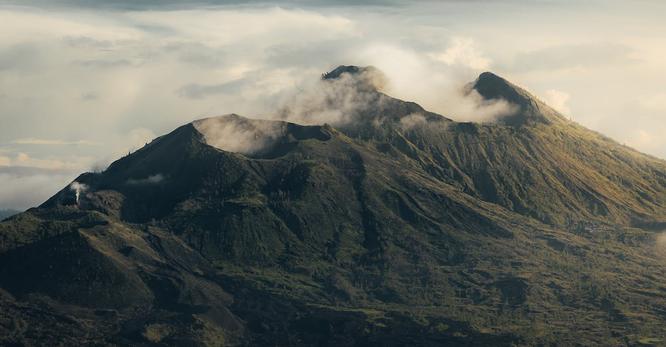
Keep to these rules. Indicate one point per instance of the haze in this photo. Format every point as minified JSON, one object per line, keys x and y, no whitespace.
{"x":83,"y":82}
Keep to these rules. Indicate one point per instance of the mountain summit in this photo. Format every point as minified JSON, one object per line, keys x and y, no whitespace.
{"x":347,"y":69}
{"x":392,"y":226}
{"x":529,"y":109}
{"x":364,"y":78}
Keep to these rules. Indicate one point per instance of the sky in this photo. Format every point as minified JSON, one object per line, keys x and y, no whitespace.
{"x":83,"y":82}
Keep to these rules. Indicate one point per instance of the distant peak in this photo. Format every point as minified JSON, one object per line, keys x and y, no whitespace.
{"x":348,"y":69}
{"x":491,"y":86}
{"x":367,"y":77}
{"x":530,"y":109}
{"x":487,"y":75}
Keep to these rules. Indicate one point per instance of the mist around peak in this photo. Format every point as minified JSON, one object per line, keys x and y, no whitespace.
{"x":357,"y":100}
{"x":348,"y":95}
{"x":254,"y":137}
{"x":233,"y":133}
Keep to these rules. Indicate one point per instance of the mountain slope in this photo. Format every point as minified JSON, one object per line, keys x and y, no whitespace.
{"x":391,"y":226}
{"x":7,"y":213}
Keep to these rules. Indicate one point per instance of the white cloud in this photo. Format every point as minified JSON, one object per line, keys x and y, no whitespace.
{"x":121,"y":145}
{"x":411,"y":121}
{"x":640,"y":138}
{"x":558,"y":100}
{"x":60,"y":164}
{"x":238,"y":134}
{"x":652,"y":139}
{"x":655,"y":102}
{"x":51,"y":142}
{"x":464,"y":52}
{"x":139,"y":137}
{"x":22,"y":192}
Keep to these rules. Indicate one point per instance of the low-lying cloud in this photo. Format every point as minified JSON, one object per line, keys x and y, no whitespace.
{"x":342,"y":100}
{"x":150,"y":180}
{"x":21,"y":192}
{"x":348,"y":96}
{"x":412,"y":121}
{"x":337,"y":100}
{"x":235,"y":134}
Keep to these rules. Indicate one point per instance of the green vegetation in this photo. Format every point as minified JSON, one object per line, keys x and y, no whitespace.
{"x":532,"y":231}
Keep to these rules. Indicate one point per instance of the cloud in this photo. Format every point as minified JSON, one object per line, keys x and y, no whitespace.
{"x":655,"y":102}
{"x":464,"y":52}
{"x":574,"y":56}
{"x":71,"y":70}
{"x":89,"y":96}
{"x":123,"y":144}
{"x":640,"y":138}
{"x":558,"y":100}
{"x":411,"y":121}
{"x":25,"y":171}
{"x":234,"y":134}
{"x":338,"y":98}
{"x":198,"y":91}
{"x":23,"y":165}
{"x":150,"y":5}
{"x":51,"y":142}
{"x":87,"y":42}
{"x":21,"y":57}
{"x":22,"y":192}
{"x":470,"y":106}
{"x":72,"y":165}
{"x":195,"y":53}
{"x":302,"y":53}
{"x":138,"y":137}
{"x":104,"y":64}
{"x":150,"y":180}
{"x":652,"y":139}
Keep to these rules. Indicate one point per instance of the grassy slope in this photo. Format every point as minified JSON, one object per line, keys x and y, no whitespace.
{"x":448,"y":233}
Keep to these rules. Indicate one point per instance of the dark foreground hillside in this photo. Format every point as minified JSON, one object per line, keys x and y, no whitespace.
{"x":394,"y":226}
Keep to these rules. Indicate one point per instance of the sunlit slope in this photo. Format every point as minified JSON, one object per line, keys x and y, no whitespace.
{"x":377,"y":231}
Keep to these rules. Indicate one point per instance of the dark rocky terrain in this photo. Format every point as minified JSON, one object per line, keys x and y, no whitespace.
{"x":395,"y":227}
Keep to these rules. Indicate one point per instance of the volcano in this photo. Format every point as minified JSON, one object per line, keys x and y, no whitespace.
{"x":394,"y":226}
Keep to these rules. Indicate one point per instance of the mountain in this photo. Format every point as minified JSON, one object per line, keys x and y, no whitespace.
{"x":389,"y":225}
{"x":7,"y":213}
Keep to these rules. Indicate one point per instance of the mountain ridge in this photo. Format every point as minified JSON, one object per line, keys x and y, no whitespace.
{"x":396,"y":226}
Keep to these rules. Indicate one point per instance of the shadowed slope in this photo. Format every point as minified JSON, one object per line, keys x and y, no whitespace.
{"x":398,"y":227}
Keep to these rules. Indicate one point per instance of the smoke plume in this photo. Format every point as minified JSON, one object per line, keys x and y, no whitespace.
{"x":78,"y":188}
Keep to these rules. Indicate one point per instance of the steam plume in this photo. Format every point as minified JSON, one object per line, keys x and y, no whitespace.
{"x":78,"y":188}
